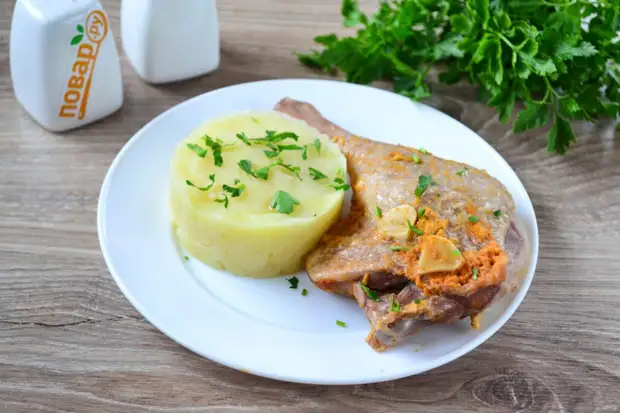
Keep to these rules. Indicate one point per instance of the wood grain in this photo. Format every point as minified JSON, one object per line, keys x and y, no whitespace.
{"x":70,"y":342}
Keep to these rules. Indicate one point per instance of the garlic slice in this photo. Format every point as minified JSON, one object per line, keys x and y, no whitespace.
{"x":438,"y":254}
{"x":394,"y":222}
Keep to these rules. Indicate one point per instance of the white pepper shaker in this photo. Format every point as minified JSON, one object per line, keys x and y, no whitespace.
{"x":167,"y":41}
{"x":64,"y":64}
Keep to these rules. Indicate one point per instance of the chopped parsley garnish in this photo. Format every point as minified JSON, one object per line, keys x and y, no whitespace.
{"x":456,"y":252}
{"x":317,"y":145}
{"x":243,"y":137}
{"x":261,"y":173}
{"x":289,"y":148}
{"x":370,"y":293}
{"x":378,"y":212}
{"x":186,"y":257}
{"x":416,"y":159}
{"x":414,"y":229}
{"x":304,"y":153}
{"x":473,"y":219}
{"x":397,"y":248}
{"x":395,"y":306}
{"x":246,"y":166}
{"x":293,"y":281}
{"x":199,"y":150}
{"x":339,"y":185}
{"x":417,"y":301}
{"x":474,"y":273}
{"x":216,"y":147}
{"x":291,"y":168}
{"x":421,"y":212}
{"x":202,"y":188}
{"x":270,"y":139}
{"x":341,"y":323}
{"x":497,"y":213}
{"x":283,"y":202}
{"x":274,"y":137}
{"x":222,"y":199}
{"x":234,"y":192}
{"x":422,"y":150}
{"x":462,"y":172}
{"x":304,"y":292}
{"x":316,"y":174}
{"x":423,"y":182}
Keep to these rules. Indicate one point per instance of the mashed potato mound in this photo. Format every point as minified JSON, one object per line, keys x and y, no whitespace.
{"x":226,"y":217}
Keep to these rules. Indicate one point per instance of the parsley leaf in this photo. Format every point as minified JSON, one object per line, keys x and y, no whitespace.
{"x":462,"y":172}
{"x":304,"y":153}
{"x":339,"y":185}
{"x":370,"y":293}
{"x":474,"y":272}
{"x":423,"y":182}
{"x":473,"y":219}
{"x":262,"y":173}
{"x":283,"y":202}
{"x":533,"y":116}
{"x":291,"y":168}
{"x":234,"y":191}
{"x":497,"y":213}
{"x":341,"y":324}
{"x":584,"y":49}
{"x":414,"y":229}
{"x":293,"y":281}
{"x":316,"y":174}
{"x":243,"y":137}
{"x":203,"y":188}
{"x":222,"y":199}
{"x":378,"y":212}
{"x":272,"y":137}
{"x":289,"y":148}
{"x":317,"y":145}
{"x":304,"y":292}
{"x":199,"y":150}
{"x":271,"y":154}
{"x":216,"y":147}
{"x":395,"y":305}
{"x":246,"y":166}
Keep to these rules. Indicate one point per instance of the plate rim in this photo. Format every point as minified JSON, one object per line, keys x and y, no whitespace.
{"x":379,"y":377}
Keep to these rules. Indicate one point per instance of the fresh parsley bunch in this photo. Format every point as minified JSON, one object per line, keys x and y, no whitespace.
{"x":559,"y":57}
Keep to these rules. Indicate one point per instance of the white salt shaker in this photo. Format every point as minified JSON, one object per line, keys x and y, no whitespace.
{"x":64,"y":64}
{"x":167,"y":41}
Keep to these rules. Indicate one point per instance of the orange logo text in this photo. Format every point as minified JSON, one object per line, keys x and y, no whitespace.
{"x":88,"y":44}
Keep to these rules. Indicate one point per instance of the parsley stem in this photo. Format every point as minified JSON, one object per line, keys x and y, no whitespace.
{"x":505,"y":39}
{"x":550,"y":88}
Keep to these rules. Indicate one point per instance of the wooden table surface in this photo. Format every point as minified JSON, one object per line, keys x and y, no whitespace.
{"x":70,"y":341}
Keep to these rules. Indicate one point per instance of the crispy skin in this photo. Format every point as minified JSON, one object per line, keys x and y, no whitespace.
{"x":385,"y":176}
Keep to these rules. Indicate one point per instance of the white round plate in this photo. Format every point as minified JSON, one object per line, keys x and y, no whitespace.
{"x":262,"y":326}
